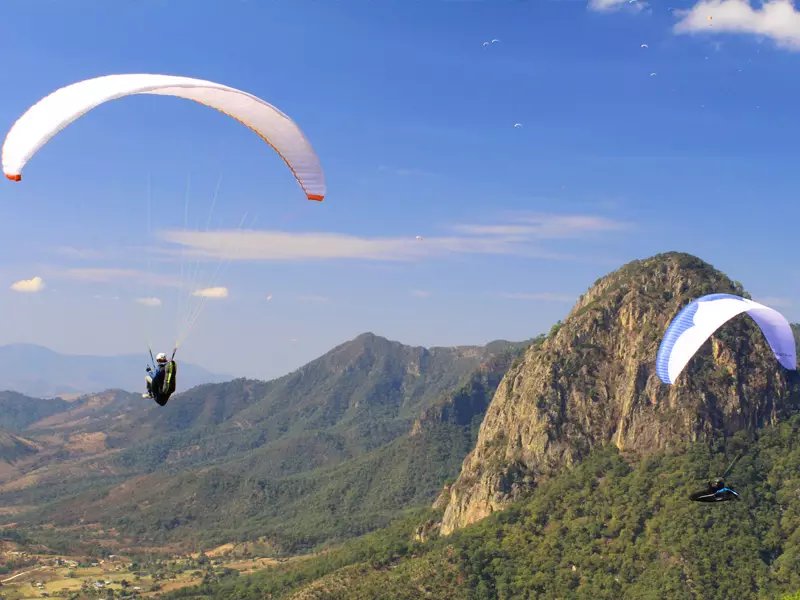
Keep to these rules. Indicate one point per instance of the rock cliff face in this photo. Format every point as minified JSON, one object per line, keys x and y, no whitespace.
{"x":593,"y":382}
{"x":468,"y":404}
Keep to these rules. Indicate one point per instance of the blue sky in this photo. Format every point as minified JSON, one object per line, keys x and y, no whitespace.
{"x":413,"y":121}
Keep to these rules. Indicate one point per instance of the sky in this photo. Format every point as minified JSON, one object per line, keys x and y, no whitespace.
{"x":643,"y":128}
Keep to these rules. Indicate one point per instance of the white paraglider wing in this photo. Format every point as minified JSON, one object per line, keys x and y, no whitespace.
{"x":702,"y":317}
{"x":53,"y":113}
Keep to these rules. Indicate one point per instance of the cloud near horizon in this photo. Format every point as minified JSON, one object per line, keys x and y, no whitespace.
{"x":212,"y":292}
{"x":518,"y":237}
{"x":28,"y":286}
{"x":775,"y":19}
{"x":152,"y":302}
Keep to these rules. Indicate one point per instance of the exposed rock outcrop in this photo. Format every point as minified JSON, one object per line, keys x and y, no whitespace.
{"x":593,"y":382}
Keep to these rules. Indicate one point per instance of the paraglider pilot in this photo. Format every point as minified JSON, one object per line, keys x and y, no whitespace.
{"x":161,"y":383}
{"x":155,"y":379}
{"x":716,"y":491}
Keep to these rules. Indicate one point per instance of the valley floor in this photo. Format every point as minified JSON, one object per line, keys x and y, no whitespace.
{"x":118,"y":576}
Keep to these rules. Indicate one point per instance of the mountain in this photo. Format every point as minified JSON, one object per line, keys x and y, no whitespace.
{"x":577,"y":485}
{"x":42,"y":373}
{"x":12,"y":449}
{"x":608,"y":529}
{"x":574,"y":482}
{"x":53,"y":444}
{"x":327,"y":452}
{"x":18,"y":411}
{"x":593,"y":383}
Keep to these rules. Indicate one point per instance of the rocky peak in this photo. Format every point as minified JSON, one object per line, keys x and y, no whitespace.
{"x":593,"y":382}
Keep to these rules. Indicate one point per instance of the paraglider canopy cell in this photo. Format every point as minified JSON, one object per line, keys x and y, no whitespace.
{"x":702,"y":317}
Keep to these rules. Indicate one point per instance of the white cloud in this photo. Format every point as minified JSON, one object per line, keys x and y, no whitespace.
{"x":212,"y":292}
{"x":518,"y":237}
{"x":609,"y":5}
{"x":28,"y":285}
{"x":545,"y":296}
{"x":547,"y":226}
{"x":153,"y":302}
{"x":420,"y":294}
{"x":776,"y":19}
{"x":281,"y":245}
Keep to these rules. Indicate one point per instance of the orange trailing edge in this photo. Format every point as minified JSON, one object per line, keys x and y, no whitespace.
{"x":14,"y":177}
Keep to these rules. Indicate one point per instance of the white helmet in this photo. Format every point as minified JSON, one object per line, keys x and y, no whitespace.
{"x":161,"y":358}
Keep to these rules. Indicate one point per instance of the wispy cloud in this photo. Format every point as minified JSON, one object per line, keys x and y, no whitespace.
{"x":609,"y":5}
{"x":313,"y":298}
{"x":543,"y":296}
{"x":78,"y":253}
{"x":29,"y":286}
{"x":110,"y":275}
{"x":519,"y":236}
{"x":547,"y":226}
{"x":212,"y":292}
{"x":281,"y":245}
{"x":151,"y":302}
{"x":420,"y":294}
{"x":776,"y":19}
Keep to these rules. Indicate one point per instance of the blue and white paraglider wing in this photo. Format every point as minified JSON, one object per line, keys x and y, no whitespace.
{"x":702,"y":317}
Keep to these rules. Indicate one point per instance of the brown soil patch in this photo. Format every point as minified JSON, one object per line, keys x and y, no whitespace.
{"x":87,"y":442}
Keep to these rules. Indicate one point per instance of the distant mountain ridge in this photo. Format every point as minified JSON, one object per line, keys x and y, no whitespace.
{"x":43,"y":373}
{"x":286,"y":458}
{"x":562,"y":463}
{"x":577,"y":483}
